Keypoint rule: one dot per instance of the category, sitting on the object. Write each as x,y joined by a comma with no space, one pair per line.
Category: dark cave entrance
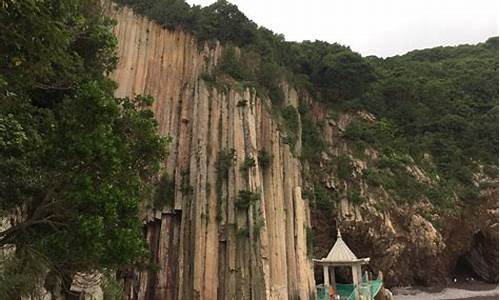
480,262
463,270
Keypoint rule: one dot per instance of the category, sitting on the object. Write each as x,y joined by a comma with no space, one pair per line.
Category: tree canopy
75,161
442,103
330,71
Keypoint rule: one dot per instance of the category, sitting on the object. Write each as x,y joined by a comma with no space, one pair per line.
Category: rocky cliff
413,243
236,225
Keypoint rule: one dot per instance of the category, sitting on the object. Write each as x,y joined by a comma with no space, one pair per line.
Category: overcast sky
376,27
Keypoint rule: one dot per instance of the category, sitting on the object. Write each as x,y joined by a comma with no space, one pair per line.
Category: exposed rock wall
412,243
205,246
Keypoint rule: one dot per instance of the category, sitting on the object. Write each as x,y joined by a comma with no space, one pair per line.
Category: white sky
376,27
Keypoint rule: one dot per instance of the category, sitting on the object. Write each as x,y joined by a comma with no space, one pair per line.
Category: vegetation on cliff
265,59
74,160
438,107
412,132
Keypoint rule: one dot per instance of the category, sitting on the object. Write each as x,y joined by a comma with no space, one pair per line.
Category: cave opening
463,271
468,264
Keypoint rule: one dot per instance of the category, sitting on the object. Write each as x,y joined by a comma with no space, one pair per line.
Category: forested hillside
440,107
409,136
400,153
75,162
437,107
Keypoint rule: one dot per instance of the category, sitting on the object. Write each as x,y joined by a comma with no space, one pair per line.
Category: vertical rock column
205,245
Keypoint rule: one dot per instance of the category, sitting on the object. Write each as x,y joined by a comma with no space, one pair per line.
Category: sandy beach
470,291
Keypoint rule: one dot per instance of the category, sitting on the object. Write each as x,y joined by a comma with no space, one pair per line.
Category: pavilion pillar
356,274
326,275
356,278
333,282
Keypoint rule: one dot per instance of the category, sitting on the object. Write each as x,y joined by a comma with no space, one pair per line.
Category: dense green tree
331,72
442,102
75,161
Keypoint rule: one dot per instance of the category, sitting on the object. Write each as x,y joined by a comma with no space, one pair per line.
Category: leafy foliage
225,161
245,199
75,161
164,192
112,289
324,200
344,167
264,159
329,71
355,197
243,233
248,163
291,123
442,103
313,143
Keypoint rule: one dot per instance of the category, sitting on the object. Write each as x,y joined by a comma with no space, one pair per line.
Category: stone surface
205,247
384,294
413,244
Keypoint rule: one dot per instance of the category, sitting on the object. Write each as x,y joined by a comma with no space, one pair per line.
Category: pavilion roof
340,253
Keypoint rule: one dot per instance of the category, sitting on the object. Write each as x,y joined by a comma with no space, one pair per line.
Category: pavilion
341,256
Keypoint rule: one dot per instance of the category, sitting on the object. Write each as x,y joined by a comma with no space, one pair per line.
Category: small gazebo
341,256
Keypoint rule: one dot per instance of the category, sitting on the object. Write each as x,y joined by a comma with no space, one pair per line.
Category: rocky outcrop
472,237
412,243
210,242
207,243
384,294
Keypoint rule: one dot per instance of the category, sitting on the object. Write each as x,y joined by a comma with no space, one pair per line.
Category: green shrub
112,288
258,222
355,197
186,189
407,188
345,167
324,199
440,196
248,163
491,171
313,143
276,95
164,192
469,194
243,233
264,159
380,206
232,66
208,77
358,131
269,76
291,122
224,163
245,199
372,177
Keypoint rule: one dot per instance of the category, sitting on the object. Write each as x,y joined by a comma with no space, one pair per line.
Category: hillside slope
400,153
409,168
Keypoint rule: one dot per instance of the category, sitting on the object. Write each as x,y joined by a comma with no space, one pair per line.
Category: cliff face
207,242
411,243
